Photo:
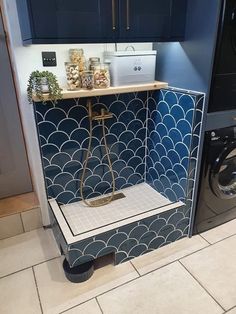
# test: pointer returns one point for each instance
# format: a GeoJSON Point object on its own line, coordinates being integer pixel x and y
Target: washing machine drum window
{"type": "Point", "coordinates": [223, 174]}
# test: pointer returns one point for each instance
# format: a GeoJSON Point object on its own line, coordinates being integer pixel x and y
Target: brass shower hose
{"type": "Point", "coordinates": [108, 199]}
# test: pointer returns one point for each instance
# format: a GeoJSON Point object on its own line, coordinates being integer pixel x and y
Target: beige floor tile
{"type": "Point", "coordinates": [18, 294]}
{"type": "Point", "coordinates": [168, 254]}
{"type": "Point", "coordinates": [26, 250]}
{"type": "Point", "coordinates": [169, 290]}
{"type": "Point", "coordinates": [90, 307]}
{"type": "Point", "coordinates": [17, 204]}
{"type": "Point", "coordinates": [233, 311]}
{"type": "Point", "coordinates": [32, 219]}
{"type": "Point", "coordinates": [10, 226]}
{"type": "Point", "coordinates": [58, 294]}
{"type": "Point", "coordinates": [215, 268]}
{"type": "Point", "coordinates": [219, 233]}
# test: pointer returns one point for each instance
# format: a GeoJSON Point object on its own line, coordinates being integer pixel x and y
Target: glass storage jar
{"type": "Point", "coordinates": [87, 80]}
{"type": "Point", "coordinates": [72, 76]}
{"type": "Point", "coordinates": [77, 57]}
{"type": "Point", "coordinates": [101, 76]}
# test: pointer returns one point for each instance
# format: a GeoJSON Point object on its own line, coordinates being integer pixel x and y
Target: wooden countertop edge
{"type": "Point", "coordinates": [108, 91]}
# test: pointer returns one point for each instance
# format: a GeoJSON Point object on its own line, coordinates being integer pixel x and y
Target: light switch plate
{"type": "Point", "coordinates": [49, 58]}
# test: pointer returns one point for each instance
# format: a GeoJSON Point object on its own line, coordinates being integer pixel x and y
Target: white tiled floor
{"type": "Point", "coordinates": [215, 269]}
{"type": "Point", "coordinates": [19, 294]}
{"type": "Point", "coordinates": [26, 250]}
{"type": "Point", "coordinates": [90, 307]}
{"type": "Point", "coordinates": [157, 291]}
{"type": "Point", "coordinates": [189, 276]}
{"type": "Point", "coordinates": [221, 232]}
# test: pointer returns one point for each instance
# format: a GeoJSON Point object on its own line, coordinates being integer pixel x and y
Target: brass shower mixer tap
{"type": "Point", "coordinates": [93, 115]}
{"type": "Point", "coordinates": [103, 116]}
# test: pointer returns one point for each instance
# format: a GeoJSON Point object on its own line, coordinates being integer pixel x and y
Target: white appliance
{"type": "Point", "coordinates": [131, 67]}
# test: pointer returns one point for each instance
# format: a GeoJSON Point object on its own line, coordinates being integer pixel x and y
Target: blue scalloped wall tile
{"type": "Point", "coordinates": [64, 134]}
{"type": "Point", "coordinates": [157, 143]}
{"type": "Point", "coordinates": [150, 137]}
{"type": "Point", "coordinates": [172, 137]}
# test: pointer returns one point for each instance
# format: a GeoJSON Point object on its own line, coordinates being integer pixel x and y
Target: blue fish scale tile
{"type": "Point", "coordinates": [64, 132]}
{"type": "Point", "coordinates": [175, 115]}
{"type": "Point", "coordinates": [162, 158]}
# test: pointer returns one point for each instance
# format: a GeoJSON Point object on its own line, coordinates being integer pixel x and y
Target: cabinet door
{"type": "Point", "coordinates": [152, 20]}
{"type": "Point", "coordinates": [178, 19]}
{"type": "Point", "coordinates": [72, 20]}
{"type": "Point", "coordinates": [145, 19]}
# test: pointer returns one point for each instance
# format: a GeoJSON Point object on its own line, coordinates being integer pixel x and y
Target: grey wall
{"type": "Point", "coordinates": [188, 64]}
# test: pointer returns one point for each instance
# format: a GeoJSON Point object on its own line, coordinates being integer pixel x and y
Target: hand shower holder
{"type": "Point", "coordinates": [103, 116]}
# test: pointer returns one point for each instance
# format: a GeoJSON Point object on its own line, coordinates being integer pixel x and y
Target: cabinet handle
{"type": "Point", "coordinates": [127, 15]}
{"type": "Point", "coordinates": [113, 16]}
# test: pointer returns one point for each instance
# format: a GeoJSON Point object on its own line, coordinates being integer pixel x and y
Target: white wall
{"type": "Point", "coordinates": [27, 59]}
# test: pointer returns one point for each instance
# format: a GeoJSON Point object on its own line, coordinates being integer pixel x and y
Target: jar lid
{"type": "Point", "coordinates": [71, 64]}
{"type": "Point", "coordinates": [81, 50]}
{"type": "Point", "coordinates": [87, 72]}
{"type": "Point", "coordinates": [94, 59]}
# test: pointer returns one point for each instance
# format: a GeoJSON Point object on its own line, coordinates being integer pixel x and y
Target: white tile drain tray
{"type": "Point", "coordinates": [78, 222]}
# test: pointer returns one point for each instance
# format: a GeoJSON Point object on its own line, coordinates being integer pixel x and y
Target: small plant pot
{"type": "Point", "coordinates": [44, 85]}
{"type": "Point", "coordinates": [41, 83]}
{"type": "Point", "coordinates": [79, 273]}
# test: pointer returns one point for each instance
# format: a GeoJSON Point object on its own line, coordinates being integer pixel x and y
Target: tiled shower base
{"type": "Point", "coordinates": [78, 221]}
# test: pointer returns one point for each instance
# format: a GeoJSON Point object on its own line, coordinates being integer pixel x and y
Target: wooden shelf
{"type": "Point", "coordinates": [108, 91]}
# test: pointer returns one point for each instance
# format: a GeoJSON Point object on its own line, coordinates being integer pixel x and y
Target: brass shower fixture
{"type": "Point", "coordinates": [101, 118]}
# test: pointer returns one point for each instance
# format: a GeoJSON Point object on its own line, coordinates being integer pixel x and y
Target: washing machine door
{"type": "Point", "coordinates": [223, 173]}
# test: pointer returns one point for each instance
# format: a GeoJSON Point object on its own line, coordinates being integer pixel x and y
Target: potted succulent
{"type": "Point", "coordinates": [41, 83]}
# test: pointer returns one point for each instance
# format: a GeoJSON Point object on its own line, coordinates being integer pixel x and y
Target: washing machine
{"type": "Point", "coordinates": [217, 190]}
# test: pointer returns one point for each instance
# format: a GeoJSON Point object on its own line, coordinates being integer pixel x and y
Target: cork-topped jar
{"type": "Point", "coordinates": [101, 76]}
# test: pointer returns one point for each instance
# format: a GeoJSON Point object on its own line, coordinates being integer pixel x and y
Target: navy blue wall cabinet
{"type": "Point", "coordinates": [152, 20]}
{"type": "Point", "coordinates": [59, 21]}
{"type": "Point", "coordinates": [97, 21]}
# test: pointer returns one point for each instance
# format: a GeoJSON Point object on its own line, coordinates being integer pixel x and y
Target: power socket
{"type": "Point", "coordinates": [49, 58]}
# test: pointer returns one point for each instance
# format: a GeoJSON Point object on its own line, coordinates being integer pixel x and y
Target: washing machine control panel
{"type": "Point", "coordinates": [223, 134]}
{"type": "Point", "coordinates": [214, 136]}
